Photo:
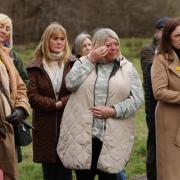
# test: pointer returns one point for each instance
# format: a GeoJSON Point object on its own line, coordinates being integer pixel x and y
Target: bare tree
{"type": "Point", "coordinates": [130, 18]}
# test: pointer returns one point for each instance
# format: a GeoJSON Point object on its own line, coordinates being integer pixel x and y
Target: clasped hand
{"type": "Point", "coordinates": [59, 104]}
{"type": "Point", "coordinates": [103, 112]}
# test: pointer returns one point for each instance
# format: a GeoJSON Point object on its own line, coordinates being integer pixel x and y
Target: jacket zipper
{"type": "Point", "coordinates": [107, 93]}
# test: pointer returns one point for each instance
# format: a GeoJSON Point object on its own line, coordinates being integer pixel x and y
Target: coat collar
{"type": "Point", "coordinates": [123, 61]}
{"type": "Point", "coordinates": [174, 64]}
{"type": "Point", "coordinates": [35, 63]}
{"type": "Point", "coordinates": [118, 63]}
{"type": "Point", "coordinates": [38, 62]}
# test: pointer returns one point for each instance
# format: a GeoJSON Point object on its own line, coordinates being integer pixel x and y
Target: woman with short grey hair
{"type": "Point", "coordinates": [82, 45]}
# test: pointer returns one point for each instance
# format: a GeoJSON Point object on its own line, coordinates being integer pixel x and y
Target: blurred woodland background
{"type": "Point", "coordinates": [129, 18]}
{"type": "Point", "coordinates": [133, 20]}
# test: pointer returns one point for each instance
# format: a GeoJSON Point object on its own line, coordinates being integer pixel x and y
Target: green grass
{"type": "Point", "coordinates": [26, 52]}
{"type": "Point", "coordinates": [130, 49]}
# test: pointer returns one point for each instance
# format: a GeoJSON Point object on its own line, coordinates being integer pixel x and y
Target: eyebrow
{"type": "Point", "coordinates": [4, 24]}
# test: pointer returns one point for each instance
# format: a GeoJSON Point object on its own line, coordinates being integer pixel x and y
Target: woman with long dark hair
{"type": "Point", "coordinates": [166, 89]}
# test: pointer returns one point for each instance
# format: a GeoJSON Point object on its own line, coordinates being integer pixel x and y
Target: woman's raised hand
{"type": "Point", "coordinates": [97, 54]}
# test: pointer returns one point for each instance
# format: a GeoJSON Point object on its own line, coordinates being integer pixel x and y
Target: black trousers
{"type": "Point", "coordinates": [151, 170]}
{"type": "Point", "coordinates": [19, 153]}
{"type": "Point", "coordinates": [56, 171]}
{"type": "Point", "coordinates": [90, 174]}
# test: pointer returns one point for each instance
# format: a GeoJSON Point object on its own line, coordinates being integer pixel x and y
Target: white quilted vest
{"type": "Point", "coordinates": [75, 141]}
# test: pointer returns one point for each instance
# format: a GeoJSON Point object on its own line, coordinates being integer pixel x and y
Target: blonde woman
{"type": "Point", "coordinates": [97, 128]}
{"type": "Point", "coordinates": [48, 96]}
{"type": "Point", "coordinates": [14, 108]}
{"type": "Point", "coordinates": [82, 47]}
{"type": "Point", "coordinates": [6, 38]}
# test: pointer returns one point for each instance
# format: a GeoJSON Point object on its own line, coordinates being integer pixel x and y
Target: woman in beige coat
{"type": "Point", "coordinates": [14, 107]}
{"type": "Point", "coordinates": [166, 88]}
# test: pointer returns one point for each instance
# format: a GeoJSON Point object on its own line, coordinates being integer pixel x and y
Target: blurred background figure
{"type": "Point", "coordinates": [146, 57]}
{"type": "Point", "coordinates": [48, 96]}
{"type": "Point", "coordinates": [82, 45]}
{"type": "Point", "coordinates": [166, 89]}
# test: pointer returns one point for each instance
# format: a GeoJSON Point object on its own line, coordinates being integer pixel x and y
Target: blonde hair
{"type": "Point", "coordinates": [43, 50]}
{"type": "Point", "coordinates": [6, 19]}
{"type": "Point", "coordinates": [101, 35]}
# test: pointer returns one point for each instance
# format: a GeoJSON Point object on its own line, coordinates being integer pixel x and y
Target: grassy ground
{"type": "Point", "coordinates": [136, 166]}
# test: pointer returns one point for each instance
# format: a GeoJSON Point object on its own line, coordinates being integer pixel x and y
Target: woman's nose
{"type": "Point", "coordinates": [59, 41]}
{"type": "Point", "coordinates": [113, 47]}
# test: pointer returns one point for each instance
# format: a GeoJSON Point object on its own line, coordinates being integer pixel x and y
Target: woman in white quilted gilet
{"type": "Point", "coordinates": [97, 128]}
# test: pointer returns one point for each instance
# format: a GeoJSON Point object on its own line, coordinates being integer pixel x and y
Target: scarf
{"type": "Point", "coordinates": [8, 63]}
{"type": "Point", "coordinates": [4, 78]}
{"type": "Point", "coordinates": [55, 71]}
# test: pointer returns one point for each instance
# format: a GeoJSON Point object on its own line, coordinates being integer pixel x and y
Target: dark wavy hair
{"type": "Point", "coordinates": [165, 47]}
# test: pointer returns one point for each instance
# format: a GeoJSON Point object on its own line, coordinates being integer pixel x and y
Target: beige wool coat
{"type": "Point", "coordinates": [16, 90]}
{"type": "Point", "coordinates": [166, 88]}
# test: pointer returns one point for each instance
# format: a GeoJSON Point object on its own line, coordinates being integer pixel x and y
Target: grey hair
{"type": "Point", "coordinates": [76, 49]}
{"type": "Point", "coordinates": [7, 19]}
{"type": "Point", "coordinates": [101, 35]}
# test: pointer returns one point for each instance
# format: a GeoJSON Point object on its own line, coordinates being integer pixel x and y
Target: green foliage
{"type": "Point", "coordinates": [131, 47]}
{"type": "Point", "coordinates": [136, 166]}
{"type": "Point", "coordinates": [26, 52]}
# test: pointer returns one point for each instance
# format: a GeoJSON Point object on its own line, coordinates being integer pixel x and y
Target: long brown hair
{"type": "Point", "coordinates": [165, 47]}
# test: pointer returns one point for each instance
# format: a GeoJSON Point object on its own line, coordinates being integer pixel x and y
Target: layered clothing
{"type": "Point", "coordinates": [46, 118]}
{"type": "Point", "coordinates": [14, 97]}
{"type": "Point", "coordinates": [19, 65]}
{"type": "Point", "coordinates": [166, 88]}
{"type": "Point", "coordinates": [115, 84]}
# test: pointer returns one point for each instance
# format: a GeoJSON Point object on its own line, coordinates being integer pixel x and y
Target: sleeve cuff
{"type": "Point", "coordinates": [116, 110]}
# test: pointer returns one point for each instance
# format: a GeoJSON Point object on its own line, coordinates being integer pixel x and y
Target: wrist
{"type": "Point", "coordinates": [114, 112]}
{"type": "Point", "coordinates": [91, 59]}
